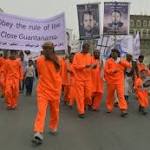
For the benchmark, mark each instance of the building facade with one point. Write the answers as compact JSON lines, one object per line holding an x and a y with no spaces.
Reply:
{"x":141,"y":23}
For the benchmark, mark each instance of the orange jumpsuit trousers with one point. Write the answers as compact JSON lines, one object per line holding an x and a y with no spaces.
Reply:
{"x":114,"y":82}
{"x":142,"y":95}
{"x":83,"y":80}
{"x":97,"y":85}
{"x":13,"y":72}
{"x":48,"y":93}
{"x":65,"y":79}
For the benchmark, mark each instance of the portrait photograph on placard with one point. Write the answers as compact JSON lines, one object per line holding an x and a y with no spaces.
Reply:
{"x":116,"y":18}
{"x":88,"y":19}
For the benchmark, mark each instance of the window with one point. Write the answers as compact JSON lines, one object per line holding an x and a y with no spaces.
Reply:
{"x":131,"y":31}
{"x":144,"y":31}
{"x":132,"y":23}
{"x":149,"y":23}
{"x":138,"y":23}
{"x":145,"y":23}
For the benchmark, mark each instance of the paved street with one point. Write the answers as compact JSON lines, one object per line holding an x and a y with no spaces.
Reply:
{"x":98,"y":131}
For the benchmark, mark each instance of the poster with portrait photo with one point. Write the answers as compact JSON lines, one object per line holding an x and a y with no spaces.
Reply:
{"x":116,"y":18}
{"x":88,"y":19}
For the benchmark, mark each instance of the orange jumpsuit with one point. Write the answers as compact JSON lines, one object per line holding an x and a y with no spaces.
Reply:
{"x":48,"y":92}
{"x":13,"y":74}
{"x":143,"y":67}
{"x":2,"y":74}
{"x":97,"y":85}
{"x":1,"y":62}
{"x":114,"y":75}
{"x":123,"y":65}
{"x":142,"y":95}
{"x":22,"y":73}
{"x":65,"y":78}
{"x":83,"y":80}
{"x":72,"y":92}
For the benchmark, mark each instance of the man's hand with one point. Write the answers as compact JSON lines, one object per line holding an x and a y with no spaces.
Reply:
{"x":93,"y":66}
{"x":115,"y":70}
{"x":87,"y":66}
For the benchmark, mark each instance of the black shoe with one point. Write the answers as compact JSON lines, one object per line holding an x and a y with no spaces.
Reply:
{"x":90,"y":108}
{"x":143,"y":111}
{"x":124,"y":113}
{"x":9,"y":108}
{"x":95,"y":110}
{"x":140,"y":108}
{"x":81,"y":116}
{"x":13,"y":108}
{"x":126,"y":98}
{"x":37,"y":139}
{"x":108,"y":111}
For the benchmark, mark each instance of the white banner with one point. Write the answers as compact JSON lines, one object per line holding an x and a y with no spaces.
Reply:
{"x":124,"y":43}
{"x":136,"y":48}
{"x":21,"y":33}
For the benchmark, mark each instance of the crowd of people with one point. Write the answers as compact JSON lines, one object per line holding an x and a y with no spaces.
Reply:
{"x":79,"y":78}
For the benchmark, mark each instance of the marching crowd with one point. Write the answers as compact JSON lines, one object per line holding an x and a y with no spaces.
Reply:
{"x":80,"y":78}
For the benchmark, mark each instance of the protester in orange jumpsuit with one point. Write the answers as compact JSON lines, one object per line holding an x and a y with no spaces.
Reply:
{"x":48,"y":90}
{"x":114,"y":78}
{"x":97,"y":81}
{"x":62,"y":71}
{"x":82,"y":64}
{"x":2,"y":73}
{"x":149,"y":73}
{"x":149,"y":67}
{"x":13,"y":74}
{"x":65,"y":79}
{"x":124,"y":64}
{"x":20,"y":58}
{"x":71,"y":72}
{"x":142,"y":66}
{"x":141,"y":93}
{"x":1,"y":60}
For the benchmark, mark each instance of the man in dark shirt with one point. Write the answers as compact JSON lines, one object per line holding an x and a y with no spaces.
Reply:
{"x":89,"y":28}
{"x":116,"y":20}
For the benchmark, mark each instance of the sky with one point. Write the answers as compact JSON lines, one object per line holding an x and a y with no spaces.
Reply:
{"x":48,"y":8}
